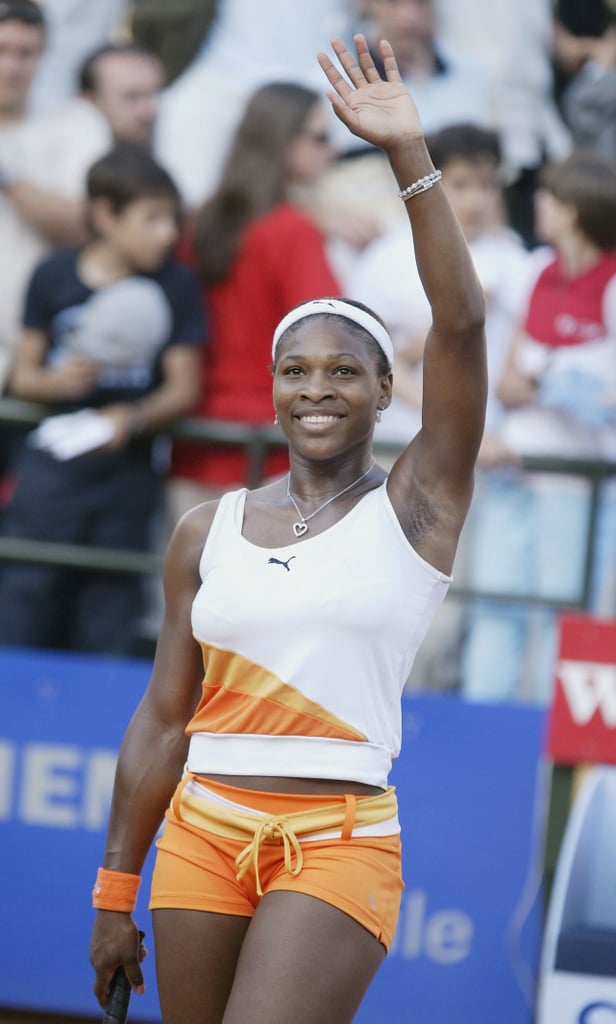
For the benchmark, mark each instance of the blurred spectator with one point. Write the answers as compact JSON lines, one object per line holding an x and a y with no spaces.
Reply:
{"x":513,"y":43}
{"x":123,"y":81}
{"x":589,"y":99}
{"x":559,"y":386}
{"x":248,"y":45}
{"x":43,"y":162}
{"x":74,"y":29}
{"x":44,"y":157}
{"x":174,"y":32}
{"x":259,"y":254}
{"x":387,"y":279}
{"x":112,"y":338}
{"x":447,"y":89}
{"x":447,"y":85}
{"x":577,"y":30}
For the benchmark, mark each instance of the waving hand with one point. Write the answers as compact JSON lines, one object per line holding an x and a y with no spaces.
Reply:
{"x":379,"y":110}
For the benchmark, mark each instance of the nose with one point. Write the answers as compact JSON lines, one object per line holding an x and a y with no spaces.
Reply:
{"x":317,"y":385}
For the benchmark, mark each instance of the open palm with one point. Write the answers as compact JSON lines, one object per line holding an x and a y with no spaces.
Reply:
{"x":381,"y":111}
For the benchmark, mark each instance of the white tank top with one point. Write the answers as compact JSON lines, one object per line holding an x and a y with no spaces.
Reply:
{"x":307,"y":647}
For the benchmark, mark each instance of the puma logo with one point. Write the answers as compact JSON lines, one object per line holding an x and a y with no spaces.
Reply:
{"x":277,"y":561}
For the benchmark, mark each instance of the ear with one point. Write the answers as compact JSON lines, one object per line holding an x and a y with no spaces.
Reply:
{"x":386,"y":390}
{"x":101,"y":215}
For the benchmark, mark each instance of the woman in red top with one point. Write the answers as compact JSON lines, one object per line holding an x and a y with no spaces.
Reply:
{"x":259,"y":255}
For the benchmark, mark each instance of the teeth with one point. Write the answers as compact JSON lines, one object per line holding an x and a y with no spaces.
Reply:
{"x":319,"y":419}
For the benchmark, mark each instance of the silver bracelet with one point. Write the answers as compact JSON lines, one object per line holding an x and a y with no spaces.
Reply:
{"x":421,"y":185}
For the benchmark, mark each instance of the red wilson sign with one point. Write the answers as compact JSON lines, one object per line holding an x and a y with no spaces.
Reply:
{"x":582,"y":726}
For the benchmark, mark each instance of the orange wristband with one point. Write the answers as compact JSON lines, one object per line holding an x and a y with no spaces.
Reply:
{"x":115,"y":890}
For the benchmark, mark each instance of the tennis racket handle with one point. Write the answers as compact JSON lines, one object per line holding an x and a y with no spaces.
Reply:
{"x":119,"y":996}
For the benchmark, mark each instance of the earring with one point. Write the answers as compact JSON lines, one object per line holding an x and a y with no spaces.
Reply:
{"x":379,"y":413}
{"x":276,"y":420}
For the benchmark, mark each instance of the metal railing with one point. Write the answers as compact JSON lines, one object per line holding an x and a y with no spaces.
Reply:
{"x":257,"y":440}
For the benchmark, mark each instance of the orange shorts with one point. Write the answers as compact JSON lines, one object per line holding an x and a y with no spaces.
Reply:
{"x":195,"y":868}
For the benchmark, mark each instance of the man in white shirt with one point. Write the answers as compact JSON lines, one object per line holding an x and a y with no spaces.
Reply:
{"x":43,"y":162}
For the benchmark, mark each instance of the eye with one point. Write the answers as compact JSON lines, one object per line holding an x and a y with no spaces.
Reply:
{"x":293,"y":371}
{"x":345,"y":371}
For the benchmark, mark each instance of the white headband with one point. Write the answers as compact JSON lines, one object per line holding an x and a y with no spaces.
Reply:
{"x":339,"y":308}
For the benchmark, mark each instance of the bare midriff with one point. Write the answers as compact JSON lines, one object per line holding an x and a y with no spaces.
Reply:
{"x":277,"y":784}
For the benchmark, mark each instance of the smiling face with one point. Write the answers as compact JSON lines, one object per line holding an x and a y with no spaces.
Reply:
{"x":327,"y":388}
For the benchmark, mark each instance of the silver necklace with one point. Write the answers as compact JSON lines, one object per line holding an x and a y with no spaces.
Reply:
{"x":301,"y":526}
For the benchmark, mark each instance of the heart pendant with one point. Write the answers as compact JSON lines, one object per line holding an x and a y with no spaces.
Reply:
{"x":299,"y":529}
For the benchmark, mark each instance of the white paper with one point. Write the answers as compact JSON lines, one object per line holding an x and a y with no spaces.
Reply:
{"x":71,"y":434}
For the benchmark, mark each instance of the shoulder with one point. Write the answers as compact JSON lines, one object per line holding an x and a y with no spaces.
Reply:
{"x":60,"y":145}
{"x":74,"y":114}
{"x":60,"y":260}
{"x":57,"y":267}
{"x":187,"y":543}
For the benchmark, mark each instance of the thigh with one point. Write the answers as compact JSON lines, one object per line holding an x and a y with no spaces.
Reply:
{"x":302,"y":961}
{"x":196,"y":958}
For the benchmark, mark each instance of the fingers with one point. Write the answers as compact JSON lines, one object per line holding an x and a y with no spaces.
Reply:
{"x":105,"y":977}
{"x":390,"y":63}
{"x":135,"y":976}
{"x":127,"y":954}
{"x":359,"y":71}
{"x":102,"y":982}
{"x":335,"y":79}
{"x":348,"y":62}
{"x":365,"y":60}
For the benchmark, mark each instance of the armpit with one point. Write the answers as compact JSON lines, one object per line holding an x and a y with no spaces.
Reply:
{"x":422,"y":517}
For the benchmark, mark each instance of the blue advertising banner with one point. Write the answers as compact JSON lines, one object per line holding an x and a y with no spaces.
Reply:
{"x":470,"y":787}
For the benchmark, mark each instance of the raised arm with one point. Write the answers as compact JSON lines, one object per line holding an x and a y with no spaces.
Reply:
{"x":437,"y":468}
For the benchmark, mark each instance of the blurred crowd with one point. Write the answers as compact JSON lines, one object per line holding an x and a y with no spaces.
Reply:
{"x":170,"y":187}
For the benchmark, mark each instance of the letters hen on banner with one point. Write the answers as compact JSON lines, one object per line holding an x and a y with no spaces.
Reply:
{"x":468,"y":780}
